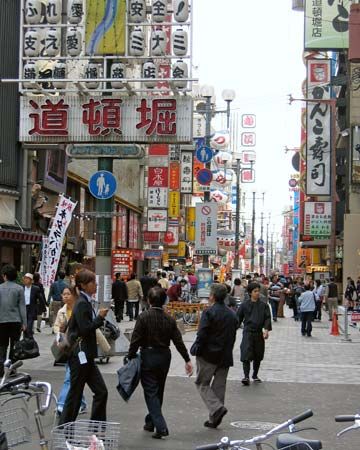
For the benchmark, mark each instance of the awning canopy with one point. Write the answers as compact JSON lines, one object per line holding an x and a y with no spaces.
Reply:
{"x":21,"y":237}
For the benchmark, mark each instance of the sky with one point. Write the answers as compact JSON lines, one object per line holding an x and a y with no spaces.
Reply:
{"x":255,"y":48}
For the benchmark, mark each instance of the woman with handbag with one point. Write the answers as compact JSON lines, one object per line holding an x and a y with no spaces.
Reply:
{"x":81,"y":335}
{"x":69,"y":296}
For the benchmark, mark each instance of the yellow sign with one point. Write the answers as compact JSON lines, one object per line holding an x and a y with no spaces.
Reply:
{"x":181,"y":249}
{"x":105,"y":27}
{"x":174,"y":204}
{"x":190,"y":223}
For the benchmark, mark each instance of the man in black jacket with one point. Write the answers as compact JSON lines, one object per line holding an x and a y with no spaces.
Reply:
{"x":213,"y":349}
{"x":33,"y":301}
{"x":119,"y":294}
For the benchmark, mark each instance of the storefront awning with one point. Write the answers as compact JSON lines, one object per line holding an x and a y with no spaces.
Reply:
{"x":21,"y":237}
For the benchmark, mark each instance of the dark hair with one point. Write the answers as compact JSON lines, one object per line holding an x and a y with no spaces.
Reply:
{"x":163,"y":274}
{"x":252,"y":287}
{"x":307,"y":287}
{"x":117,"y":275}
{"x":73,"y":291}
{"x":36,"y":278}
{"x":237,"y":281}
{"x":332,"y":279}
{"x":318,"y":283}
{"x":132,"y":276}
{"x":146,"y":272}
{"x":219,"y":291}
{"x":157,"y":297}
{"x":61,"y":274}
{"x":10,"y":272}
{"x":85,"y":276}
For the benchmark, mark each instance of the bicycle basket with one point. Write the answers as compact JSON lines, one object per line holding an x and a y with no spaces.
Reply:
{"x":79,"y":434}
{"x":14,"y":421}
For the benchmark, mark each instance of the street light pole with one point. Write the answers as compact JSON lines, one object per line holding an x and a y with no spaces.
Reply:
{"x":261,"y":262}
{"x":237,"y":214}
{"x":253,"y":234}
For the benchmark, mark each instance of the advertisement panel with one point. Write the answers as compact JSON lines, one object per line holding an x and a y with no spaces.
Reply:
{"x":317,"y":220}
{"x":190,"y":223}
{"x":157,"y":219}
{"x":186,"y":172}
{"x":174,"y":176}
{"x":121,"y":262}
{"x":318,"y":134}
{"x":205,"y":280}
{"x":157,"y":197}
{"x":327,"y":24}
{"x":174,"y":204}
{"x":206,"y":229}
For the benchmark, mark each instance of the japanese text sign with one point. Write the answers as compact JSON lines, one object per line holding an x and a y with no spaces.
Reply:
{"x":317,"y":221}
{"x":206,"y":229}
{"x":318,"y":148}
{"x":174,"y":175}
{"x":158,"y":177}
{"x":133,"y":119}
{"x":157,"y":220}
{"x":327,"y":24}
{"x":174,"y":204}
{"x":186,"y":172}
{"x":122,"y":262}
{"x":248,"y":139}
{"x":248,"y":121}
{"x":157,"y":197}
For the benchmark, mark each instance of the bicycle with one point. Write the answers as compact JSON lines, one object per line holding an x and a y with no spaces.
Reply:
{"x":348,"y":418}
{"x":288,"y":440}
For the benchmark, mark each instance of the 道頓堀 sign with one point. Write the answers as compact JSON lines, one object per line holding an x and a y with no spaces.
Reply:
{"x":206,"y":229}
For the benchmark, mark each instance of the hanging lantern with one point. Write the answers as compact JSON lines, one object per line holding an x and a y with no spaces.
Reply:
{"x":181,"y":10}
{"x":32,"y":42}
{"x":30,"y":73}
{"x":180,"y":71}
{"x":52,"y":41}
{"x":159,"y":10}
{"x":137,"y":42}
{"x":118,"y":70}
{"x":221,"y":158}
{"x":60,"y":74}
{"x":158,"y":43}
{"x":73,"y":41}
{"x":180,"y":42}
{"x":32,"y":11}
{"x":53,"y":11}
{"x":219,"y":196}
{"x":75,"y":11}
{"x":222,"y":178}
{"x":149,"y":72}
{"x":137,"y":11}
{"x":91,"y":72}
{"x":220,"y":140}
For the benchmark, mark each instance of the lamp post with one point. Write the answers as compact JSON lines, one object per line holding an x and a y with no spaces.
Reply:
{"x":253,"y":233}
{"x":228,"y":96}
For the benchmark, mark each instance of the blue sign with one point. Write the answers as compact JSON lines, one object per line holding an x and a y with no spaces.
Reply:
{"x":199,"y":142}
{"x":260,"y":242}
{"x":204,"y":154}
{"x":102,"y":185}
{"x":261,"y":250}
{"x":204,"y":177}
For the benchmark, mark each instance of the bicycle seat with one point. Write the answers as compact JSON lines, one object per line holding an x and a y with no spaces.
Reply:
{"x":294,"y":442}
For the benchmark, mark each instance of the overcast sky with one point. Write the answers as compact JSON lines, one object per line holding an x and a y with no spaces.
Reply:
{"x":255,"y":48}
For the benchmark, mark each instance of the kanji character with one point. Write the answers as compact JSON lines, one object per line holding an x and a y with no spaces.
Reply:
{"x":52,"y":120}
{"x":318,"y":172}
{"x":136,"y":8}
{"x":156,"y":39}
{"x":30,"y":42}
{"x":107,"y":116}
{"x":163,"y":117}
{"x":159,"y":8}
{"x":178,"y":72}
{"x":77,"y":10}
{"x":72,"y":42}
{"x":150,"y":72}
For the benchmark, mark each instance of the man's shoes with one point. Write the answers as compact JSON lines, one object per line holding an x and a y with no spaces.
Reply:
{"x":275,"y":319}
{"x":218,"y":416}
{"x":83,"y":410}
{"x":303,"y":334}
{"x":209,"y":424}
{"x":160,"y":434}
{"x":149,"y":427}
{"x":257,"y":380}
{"x":245,"y":381}
{"x":38,"y":329}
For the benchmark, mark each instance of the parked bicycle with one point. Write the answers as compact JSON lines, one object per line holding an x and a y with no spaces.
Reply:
{"x":348,"y":418}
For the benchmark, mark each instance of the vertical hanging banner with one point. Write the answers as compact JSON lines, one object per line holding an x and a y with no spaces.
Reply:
{"x":206,"y":229}
{"x":318,"y":133}
{"x":190,"y":223}
{"x":174,"y":204}
{"x":186,"y":172}
{"x":174,"y":176}
{"x":56,"y":237}
{"x":327,"y":24}
{"x":44,"y":269}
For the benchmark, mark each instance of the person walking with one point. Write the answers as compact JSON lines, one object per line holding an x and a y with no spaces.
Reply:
{"x":33,"y":302}
{"x":54,"y":297}
{"x":331,"y":297}
{"x":350,"y":293}
{"x":213,"y":349}
{"x":307,"y":307}
{"x":147,"y":282}
{"x":164,"y":282}
{"x":135,"y":295}
{"x":257,"y":324}
{"x":238,"y":291}
{"x":319,"y":298}
{"x":12,"y":314}
{"x":275,"y":290}
{"x":69,"y":296}
{"x":82,"y":336}
{"x":154,"y":329}
{"x":119,"y":293}
{"x":42,"y":305}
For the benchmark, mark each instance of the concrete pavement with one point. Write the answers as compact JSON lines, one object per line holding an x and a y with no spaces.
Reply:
{"x":321,"y":372}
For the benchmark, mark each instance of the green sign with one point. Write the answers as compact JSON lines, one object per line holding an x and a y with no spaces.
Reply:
{"x":105,"y":151}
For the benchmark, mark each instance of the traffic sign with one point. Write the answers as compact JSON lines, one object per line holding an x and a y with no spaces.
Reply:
{"x":102,"y":185}
{"x":204,"y":154}
{"x":261,"y":250}
{"x":199,"y":142}
{"x":204,"y":177}
{"x":260,"y":242}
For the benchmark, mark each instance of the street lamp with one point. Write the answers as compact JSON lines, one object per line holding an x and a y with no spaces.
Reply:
{"x":228,"y":96}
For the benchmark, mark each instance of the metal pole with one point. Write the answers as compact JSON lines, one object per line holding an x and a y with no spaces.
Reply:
{"x":228,"y":114}
{"x":207,"y":165}
{"x":262,"y":238}
{"x":253,"y":235}
{"x":267,"y":248}
{"x":346,"y":325}
{"x":271,"y":252}
{"x":237,"y":214}
{"x":333,"y":190}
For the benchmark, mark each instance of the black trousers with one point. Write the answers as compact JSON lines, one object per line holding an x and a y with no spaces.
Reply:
{"x":81,"y":374}
{"x":306,"y":325}
{"x":9,"y":333}
{"x":317,"y":312}
{"x":246,"y":368}
{"x":30,"y":322}
{"x":119,"y":309}
{"x":155,"y":364}
{"x":131,"y":306}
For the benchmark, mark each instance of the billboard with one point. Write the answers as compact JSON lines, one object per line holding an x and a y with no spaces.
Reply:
{"x":317,"y":220}
{"x":206,"y":229}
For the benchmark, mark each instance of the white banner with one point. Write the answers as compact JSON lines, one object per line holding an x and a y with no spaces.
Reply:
{"x":98,"y":119}
{"x":157,"y":197}
{"x":318,"y":148}
{"x":186,"y":172}
{"x":44,"y":269}
{"x":206,"y":229}
{"x":55,"y":238}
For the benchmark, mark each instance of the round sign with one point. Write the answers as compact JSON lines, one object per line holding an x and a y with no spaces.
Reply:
{"x":204,"y":177}
{"x":261,"y":250}
{"x":204,"y":154}
{"x":102,"y":185}
{"x":206,"y":210}
{"x":260,"y":242}
{"x":293,"y":183}
{"x":169,"y":237}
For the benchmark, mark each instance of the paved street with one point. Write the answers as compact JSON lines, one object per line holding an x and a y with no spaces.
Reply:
{"x":321,"y":372}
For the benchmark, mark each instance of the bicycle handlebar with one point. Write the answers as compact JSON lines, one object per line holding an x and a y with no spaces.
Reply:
{"x":346,"y":418}
{"x":303,"y":416}
{"x":21,"y":379}
{"x":16,"y":365}
{"x":48,"y":395}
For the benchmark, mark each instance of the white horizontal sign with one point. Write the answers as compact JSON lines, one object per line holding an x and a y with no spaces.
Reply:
{"x":100,"y":119}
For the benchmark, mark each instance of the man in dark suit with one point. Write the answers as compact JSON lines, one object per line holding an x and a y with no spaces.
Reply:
{"x":147,"y":282}
{"x":119,"y":294}
{"x":213,"y":349}
{"x":33,"y":302}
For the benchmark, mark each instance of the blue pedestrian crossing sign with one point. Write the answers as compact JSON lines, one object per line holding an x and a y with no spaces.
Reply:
{"x":260,"y":242}
{"x":204,"y":154}
{"x":102,"y":185}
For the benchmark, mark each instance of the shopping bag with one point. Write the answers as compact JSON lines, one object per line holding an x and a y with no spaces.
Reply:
{"x":27,"y":348}
{"x":129,"y":377}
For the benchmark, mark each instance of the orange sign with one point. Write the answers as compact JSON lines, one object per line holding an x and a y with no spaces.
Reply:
{"x":197,"y":191}
{"x":174,"y":179}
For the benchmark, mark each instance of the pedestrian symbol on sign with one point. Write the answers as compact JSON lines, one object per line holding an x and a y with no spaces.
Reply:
{"x":102,"y":185}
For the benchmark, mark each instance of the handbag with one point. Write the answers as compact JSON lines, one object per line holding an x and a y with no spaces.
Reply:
{"x":58,"y":351}
{"x":195,"y":349}
{"x":102,"y":342}
{"x":111,"y":331}
{"x":27,"y":348}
